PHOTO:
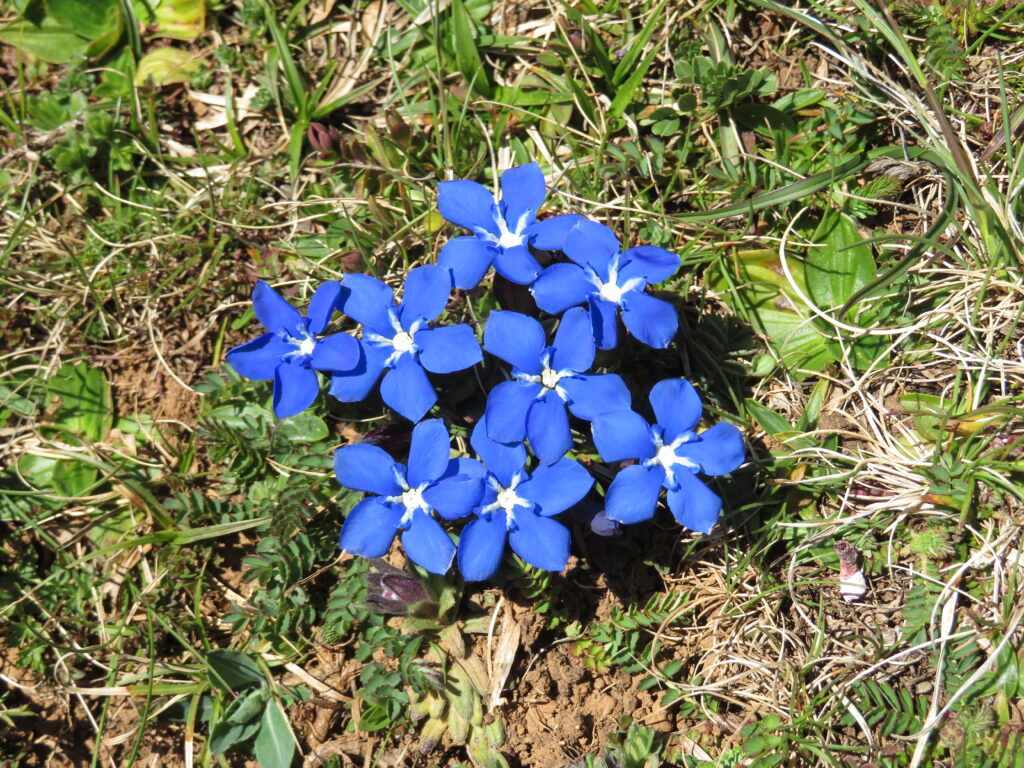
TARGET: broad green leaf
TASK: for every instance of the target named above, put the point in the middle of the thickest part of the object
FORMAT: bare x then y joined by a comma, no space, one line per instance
518,97
180,19
84,400
303,428
227,734
73,478
163,66
274,745
48,41
90,20
840,264
232,671
795,340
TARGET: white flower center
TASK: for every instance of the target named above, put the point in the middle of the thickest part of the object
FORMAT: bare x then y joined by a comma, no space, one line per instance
611,292
402,342
666,456
667,459
508,499
306,345
413,499
550,378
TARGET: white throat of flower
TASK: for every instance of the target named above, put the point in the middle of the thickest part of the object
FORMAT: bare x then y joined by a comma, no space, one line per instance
665,456
609,289
506,238
304,345
410,498
548,378
507,500
402,343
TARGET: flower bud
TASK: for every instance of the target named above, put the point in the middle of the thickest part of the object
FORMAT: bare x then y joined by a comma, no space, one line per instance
392,591
325,139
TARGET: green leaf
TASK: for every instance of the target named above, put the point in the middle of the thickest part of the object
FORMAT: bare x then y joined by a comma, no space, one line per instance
841,265
163,66
625,92
304,428
73,478
48,41
628,62
467,55
84,400
795,340
232,671
180,19
274,745
227,734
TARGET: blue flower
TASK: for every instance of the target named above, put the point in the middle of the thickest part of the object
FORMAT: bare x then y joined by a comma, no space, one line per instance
406,498
398,339
609,281
545,380
517,506
290,352
502,231
670,454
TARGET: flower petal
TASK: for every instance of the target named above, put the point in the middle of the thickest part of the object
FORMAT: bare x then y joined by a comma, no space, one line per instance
590,396
455,497
547,426
370,528
337,352
633,494
718,450
648,262
516,264
426,293
366,300
622,435
274,312
448,348
651,320
295,389
502,459
429,452
259,358
522,194
507,406
693,504
464,466
561,286
516,339
550,234
467,204
604,317
481,545
427,544
469,258
540,541
325,300
574,342
407,390
591,244
676,406
354,385
366,467
556,487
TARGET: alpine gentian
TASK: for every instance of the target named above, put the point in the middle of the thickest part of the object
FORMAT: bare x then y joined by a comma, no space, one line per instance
502,231
545,380
670,454
406,497
290,352
397,338
518,506
608,281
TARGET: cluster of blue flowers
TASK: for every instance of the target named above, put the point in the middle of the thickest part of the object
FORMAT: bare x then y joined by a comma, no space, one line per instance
505,500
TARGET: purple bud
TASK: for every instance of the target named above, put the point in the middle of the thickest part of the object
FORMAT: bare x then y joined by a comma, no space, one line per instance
392,591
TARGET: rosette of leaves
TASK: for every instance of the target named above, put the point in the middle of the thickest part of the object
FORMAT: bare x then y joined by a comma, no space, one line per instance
708,87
